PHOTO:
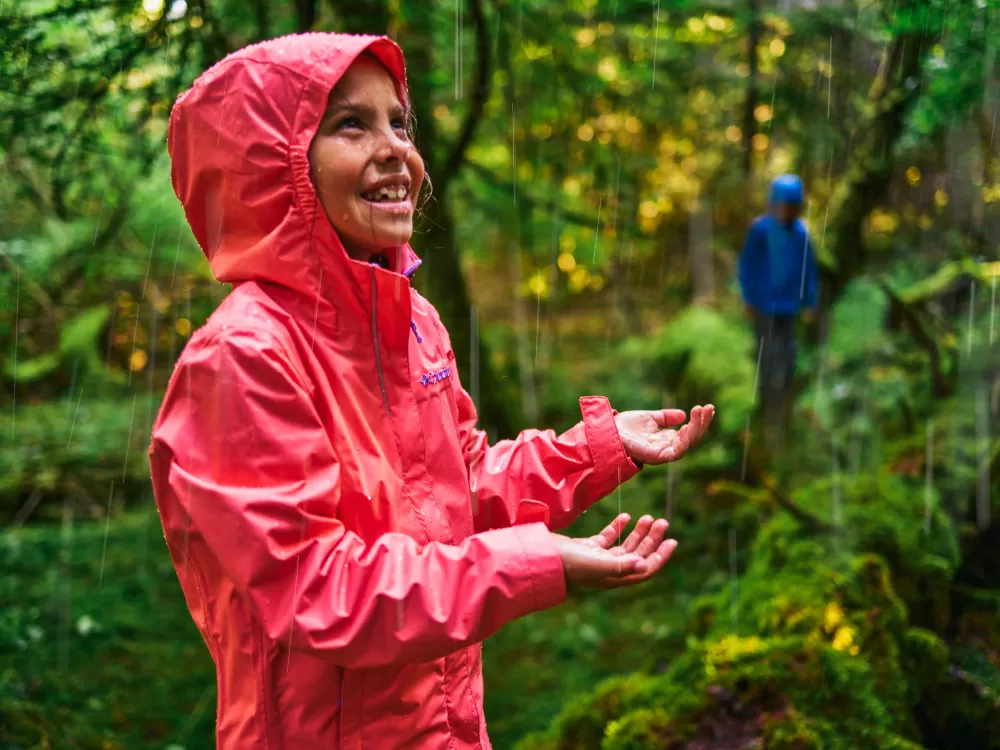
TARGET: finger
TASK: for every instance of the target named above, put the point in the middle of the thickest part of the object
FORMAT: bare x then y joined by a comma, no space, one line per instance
654,565
653,539
707,419
681,443
659,558
624,568
697,414
609,566
668,417
639,533
611,532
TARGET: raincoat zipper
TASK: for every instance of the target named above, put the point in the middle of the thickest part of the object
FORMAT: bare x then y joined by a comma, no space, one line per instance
378,354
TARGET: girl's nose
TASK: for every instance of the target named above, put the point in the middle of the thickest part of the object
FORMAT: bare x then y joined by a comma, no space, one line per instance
391,147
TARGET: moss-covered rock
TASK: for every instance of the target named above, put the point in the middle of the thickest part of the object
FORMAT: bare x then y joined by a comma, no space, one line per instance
812,647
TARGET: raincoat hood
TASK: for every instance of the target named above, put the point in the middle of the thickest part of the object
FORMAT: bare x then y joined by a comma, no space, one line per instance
786,188
239,142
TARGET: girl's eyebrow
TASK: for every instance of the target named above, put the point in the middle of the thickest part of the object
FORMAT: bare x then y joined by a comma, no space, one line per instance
362,108
342,104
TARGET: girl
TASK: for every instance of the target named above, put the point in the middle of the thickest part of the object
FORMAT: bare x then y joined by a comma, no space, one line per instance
344,535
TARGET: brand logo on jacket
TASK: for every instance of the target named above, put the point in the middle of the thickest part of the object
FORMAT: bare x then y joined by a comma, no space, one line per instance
435,377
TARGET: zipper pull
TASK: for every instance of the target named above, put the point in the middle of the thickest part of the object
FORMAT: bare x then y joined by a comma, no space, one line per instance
413,325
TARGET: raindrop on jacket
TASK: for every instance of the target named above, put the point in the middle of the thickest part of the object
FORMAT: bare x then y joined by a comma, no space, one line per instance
344,535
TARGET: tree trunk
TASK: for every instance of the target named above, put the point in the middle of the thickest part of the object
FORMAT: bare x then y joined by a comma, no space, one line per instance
529,400
441,276
869,169
749,121
362,16
700,253
305,14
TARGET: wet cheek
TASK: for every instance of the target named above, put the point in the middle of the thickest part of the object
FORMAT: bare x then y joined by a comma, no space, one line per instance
416,167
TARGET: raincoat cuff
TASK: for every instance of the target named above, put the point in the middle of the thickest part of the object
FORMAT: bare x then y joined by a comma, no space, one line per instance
612,465
540,567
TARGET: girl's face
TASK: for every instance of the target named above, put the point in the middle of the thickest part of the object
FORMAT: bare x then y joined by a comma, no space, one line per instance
365,168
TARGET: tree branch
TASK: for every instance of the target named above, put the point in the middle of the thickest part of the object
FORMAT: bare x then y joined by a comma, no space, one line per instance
305,14
36,192
800,514
917,329
573,217
37,293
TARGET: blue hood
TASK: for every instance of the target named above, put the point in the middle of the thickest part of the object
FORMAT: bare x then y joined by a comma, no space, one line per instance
786,188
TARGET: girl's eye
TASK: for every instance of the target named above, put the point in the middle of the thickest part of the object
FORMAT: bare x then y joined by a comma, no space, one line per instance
351,123
399,123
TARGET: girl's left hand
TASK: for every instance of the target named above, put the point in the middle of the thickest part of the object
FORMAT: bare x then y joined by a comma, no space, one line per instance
648,439
646,541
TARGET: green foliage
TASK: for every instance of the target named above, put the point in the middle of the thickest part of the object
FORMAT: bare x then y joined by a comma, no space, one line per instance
812,647
78,346
701,357
79,450
99,651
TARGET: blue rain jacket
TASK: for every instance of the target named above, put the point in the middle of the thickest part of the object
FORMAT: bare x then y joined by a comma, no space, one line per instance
777,270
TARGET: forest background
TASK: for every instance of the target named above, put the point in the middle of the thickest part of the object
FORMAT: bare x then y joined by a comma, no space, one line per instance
596,164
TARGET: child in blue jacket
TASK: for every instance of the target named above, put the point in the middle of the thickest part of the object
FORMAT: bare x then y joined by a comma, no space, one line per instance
778,280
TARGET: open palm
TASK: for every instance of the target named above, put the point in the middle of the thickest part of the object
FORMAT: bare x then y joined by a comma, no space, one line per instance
649,437
597,562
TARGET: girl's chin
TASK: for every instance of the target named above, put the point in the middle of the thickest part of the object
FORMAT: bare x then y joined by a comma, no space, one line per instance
385,234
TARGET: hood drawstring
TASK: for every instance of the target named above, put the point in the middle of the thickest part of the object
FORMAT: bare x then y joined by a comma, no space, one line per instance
379,259
378,353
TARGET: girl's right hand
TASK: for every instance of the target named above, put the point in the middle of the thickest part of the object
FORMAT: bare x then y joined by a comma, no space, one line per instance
594,563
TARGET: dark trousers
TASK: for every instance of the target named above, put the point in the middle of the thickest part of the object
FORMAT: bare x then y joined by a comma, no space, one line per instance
776,355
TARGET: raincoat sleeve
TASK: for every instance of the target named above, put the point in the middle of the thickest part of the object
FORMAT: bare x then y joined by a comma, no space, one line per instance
750,265
241,447
539,475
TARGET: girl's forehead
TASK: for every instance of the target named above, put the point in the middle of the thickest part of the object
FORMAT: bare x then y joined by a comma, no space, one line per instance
367,79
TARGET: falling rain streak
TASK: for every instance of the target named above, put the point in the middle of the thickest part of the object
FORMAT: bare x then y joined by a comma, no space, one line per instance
17,326
734,582
929,477
972,312
656,42
753,402
459,61
829,85
982,459
993,303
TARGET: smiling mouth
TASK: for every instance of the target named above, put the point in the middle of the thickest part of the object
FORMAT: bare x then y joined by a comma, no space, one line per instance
390,194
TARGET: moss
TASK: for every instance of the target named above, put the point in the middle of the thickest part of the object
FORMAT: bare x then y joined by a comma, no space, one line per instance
645,729
99,651
826,655
925,658
582,723
537,741
791,731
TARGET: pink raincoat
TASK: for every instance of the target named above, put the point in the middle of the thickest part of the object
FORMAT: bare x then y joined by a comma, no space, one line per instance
344,535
